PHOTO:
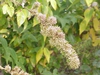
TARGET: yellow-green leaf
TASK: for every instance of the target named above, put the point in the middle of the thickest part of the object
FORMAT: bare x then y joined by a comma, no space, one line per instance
92,34
39,55
85,36
88,15
96,42
47,54
53,4
5,8
45,9
89,2
35,21
96,24
10,11
83,26
21,16
3,31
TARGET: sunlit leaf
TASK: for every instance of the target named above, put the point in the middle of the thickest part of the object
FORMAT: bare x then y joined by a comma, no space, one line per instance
88,15
3,31
89,2
53,4
35,21
39,55
43,62
25,26
45,9
21,16
10,11
96,24
5,8
47,54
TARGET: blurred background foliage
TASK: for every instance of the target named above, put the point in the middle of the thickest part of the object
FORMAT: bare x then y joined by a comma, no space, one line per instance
20,38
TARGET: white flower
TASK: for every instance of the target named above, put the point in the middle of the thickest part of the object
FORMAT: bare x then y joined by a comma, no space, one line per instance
52,20
36,4
7,68
94,4
41,17
1,68
16,68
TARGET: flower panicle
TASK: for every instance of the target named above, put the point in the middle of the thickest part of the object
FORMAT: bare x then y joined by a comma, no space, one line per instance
13,71
57,38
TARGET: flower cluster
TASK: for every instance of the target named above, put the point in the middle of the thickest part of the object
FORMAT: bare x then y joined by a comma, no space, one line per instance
15,71
57,38
34,10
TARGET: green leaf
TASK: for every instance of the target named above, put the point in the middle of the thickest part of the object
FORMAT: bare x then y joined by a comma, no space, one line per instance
21,16
53,4
71,38
2,20
45,72
47,54
5,8
12,54
17,41
28,36
85,68
45,9
55,72
39,55
88,14
3,42
89,2
10,11
96,72
97,53
33,59
62,20
73,3
50,12
96,63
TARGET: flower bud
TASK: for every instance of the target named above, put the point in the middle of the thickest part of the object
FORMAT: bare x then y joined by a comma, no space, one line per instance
7,68
42,17
36,4
52,20
94,4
